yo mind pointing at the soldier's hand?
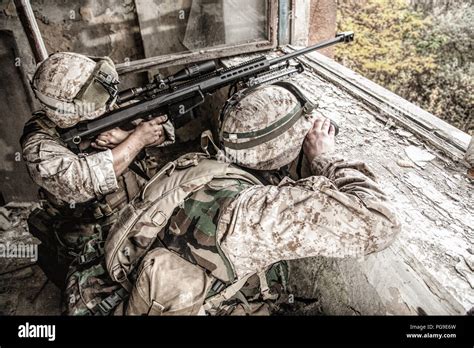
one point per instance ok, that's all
(151, 133)
(320, 139)
(110, 139)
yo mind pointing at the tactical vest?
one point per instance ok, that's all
(55, 219)
(163, 216)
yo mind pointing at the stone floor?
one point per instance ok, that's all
(24, 289)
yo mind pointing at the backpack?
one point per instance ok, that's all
(140, 222)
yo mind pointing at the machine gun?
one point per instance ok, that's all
(185, 90)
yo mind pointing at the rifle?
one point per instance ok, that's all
(185, 90)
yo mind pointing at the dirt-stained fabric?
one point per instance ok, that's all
(64, 174)
(82, 199)
(168, 285)
(192, 230)
(259, 109)
(337, 212)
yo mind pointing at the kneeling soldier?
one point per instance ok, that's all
(207, 236)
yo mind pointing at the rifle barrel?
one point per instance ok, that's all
(342, 37)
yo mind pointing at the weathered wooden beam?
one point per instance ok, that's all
(284, 14)
(28, 21)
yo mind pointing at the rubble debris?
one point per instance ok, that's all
(405, 163)
(5, 223)
(403, 133)
(419, 156)
(465, 272)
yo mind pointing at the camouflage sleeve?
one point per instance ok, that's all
(67, 176)
(169, 129)
(338, 212)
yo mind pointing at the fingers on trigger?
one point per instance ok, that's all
(95, 145)
(161, 119)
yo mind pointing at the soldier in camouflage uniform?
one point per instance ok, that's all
(207, 237)
(82, 192)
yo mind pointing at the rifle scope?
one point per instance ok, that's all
(182, 75)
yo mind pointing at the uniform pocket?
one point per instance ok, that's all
(168, 285)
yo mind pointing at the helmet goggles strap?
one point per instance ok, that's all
(275, 129)
(104, 77)
(109, 82)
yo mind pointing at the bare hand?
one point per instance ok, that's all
(110, 139)
(151, 133)
(320, 139)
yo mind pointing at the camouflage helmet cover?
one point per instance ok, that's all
(265, 128)
(72, 87)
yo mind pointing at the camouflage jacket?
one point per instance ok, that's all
(339, 211)
(81, 198)
(67, 176)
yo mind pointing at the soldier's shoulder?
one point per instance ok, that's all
(39, 123)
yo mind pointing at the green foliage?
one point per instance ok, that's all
(426, 59)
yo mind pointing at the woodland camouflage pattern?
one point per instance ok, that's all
(339, 211)
(82, 198)
(176, 277)
(192, 230)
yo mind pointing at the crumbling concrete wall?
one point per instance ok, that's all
(98, 28)
(16, 109)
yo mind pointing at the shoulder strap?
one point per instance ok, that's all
(226, 294)
(296, 91)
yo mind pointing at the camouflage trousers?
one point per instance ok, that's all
(89, 289)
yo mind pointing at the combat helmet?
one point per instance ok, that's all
(264, 128)
(72, 87)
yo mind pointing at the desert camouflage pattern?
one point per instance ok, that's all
(337, 212)
(57, 82)
(81, 199)
(143, 221)
(72, 178)
(167, 284)
(257, 110)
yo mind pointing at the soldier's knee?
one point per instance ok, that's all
(167, 285)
